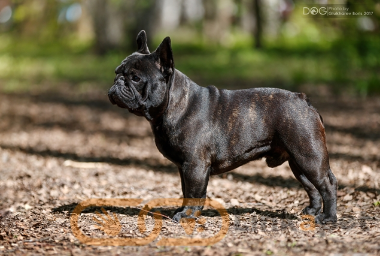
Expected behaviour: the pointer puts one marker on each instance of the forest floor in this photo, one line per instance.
(58, 149)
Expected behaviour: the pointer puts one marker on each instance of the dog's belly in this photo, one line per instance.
(247, 142)
(228, 163)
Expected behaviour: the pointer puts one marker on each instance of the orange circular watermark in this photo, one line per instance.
(110, 224)
(310, 222)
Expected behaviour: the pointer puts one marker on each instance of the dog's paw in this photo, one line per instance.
(180, 215)
(186, 212)
(311, 211)
(323, 219)
(177, 217)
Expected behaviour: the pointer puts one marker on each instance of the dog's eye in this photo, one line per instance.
(135, 78)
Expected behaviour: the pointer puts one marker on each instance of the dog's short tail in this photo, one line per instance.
(303, 96)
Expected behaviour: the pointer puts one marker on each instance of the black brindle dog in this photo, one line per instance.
(207, 131)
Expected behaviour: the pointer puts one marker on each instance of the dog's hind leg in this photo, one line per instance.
(304, 138)
(314, 196)
(316, 170)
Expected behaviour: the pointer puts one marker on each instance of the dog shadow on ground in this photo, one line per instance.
(168, 213)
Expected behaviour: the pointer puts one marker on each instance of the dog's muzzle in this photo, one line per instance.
(111, 93)
(119, 89)
(128, 97)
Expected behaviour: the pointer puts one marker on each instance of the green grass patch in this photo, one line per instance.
(342, 66)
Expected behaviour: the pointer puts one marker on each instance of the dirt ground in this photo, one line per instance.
(57, 150)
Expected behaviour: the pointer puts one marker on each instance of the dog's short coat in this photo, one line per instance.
(207, 131)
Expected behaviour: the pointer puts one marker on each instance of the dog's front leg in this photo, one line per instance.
(194, 180)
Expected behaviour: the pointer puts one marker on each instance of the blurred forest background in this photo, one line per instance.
(53, 44)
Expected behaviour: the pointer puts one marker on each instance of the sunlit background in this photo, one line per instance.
(47, 44)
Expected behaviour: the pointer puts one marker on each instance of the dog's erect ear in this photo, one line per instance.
(164, 57)
(141, 43)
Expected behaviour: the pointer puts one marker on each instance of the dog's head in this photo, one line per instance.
(143, 79)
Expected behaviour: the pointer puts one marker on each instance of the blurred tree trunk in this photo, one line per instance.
(210, 8)
(100, 22)
(110, 20)
(257, 33)
(146, 17)
(183, 17)
(218, 15)
(237, 17)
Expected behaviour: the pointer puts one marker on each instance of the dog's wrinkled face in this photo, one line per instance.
(137, 81)
(141, 81)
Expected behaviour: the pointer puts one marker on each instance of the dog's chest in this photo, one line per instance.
(170, 143)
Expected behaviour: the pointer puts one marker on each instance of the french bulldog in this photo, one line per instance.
(207, 131)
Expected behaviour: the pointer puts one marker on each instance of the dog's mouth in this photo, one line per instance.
(127, 96)
(122, 96)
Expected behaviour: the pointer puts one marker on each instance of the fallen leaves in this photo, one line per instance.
(60, 153)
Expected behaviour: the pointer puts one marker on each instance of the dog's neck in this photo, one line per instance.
(181, 91)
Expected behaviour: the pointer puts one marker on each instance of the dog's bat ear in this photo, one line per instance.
(142, 43)
(164, 55)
